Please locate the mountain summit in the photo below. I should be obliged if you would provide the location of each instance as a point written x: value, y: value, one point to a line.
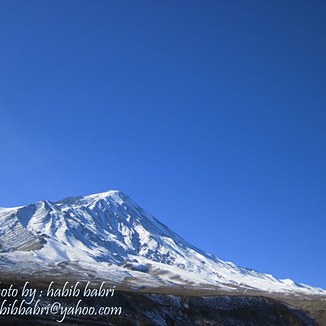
x: 107, y: 235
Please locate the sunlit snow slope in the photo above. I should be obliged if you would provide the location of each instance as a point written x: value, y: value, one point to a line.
x: 110, y: 235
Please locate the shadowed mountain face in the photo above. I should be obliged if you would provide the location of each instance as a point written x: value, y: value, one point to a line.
x: 108, y: 235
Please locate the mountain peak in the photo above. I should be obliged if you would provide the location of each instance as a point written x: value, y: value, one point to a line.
x: 105, y: 194
x: 114, y: 195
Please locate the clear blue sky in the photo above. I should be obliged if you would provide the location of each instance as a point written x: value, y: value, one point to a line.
x: 209, y: 114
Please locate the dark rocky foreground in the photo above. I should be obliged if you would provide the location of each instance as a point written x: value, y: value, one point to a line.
x: 162, y: 309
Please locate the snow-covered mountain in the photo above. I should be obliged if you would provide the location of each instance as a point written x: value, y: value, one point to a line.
x: 107, y: 235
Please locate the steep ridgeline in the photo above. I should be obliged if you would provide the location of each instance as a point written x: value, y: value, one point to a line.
x: 108, y: 235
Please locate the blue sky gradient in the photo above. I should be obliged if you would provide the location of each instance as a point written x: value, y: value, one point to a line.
x: 209, y: 114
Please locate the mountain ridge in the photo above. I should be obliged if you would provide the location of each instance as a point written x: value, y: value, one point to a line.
x: 112, y: 236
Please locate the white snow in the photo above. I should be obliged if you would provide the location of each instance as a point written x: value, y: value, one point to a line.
x: 108, y: 234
